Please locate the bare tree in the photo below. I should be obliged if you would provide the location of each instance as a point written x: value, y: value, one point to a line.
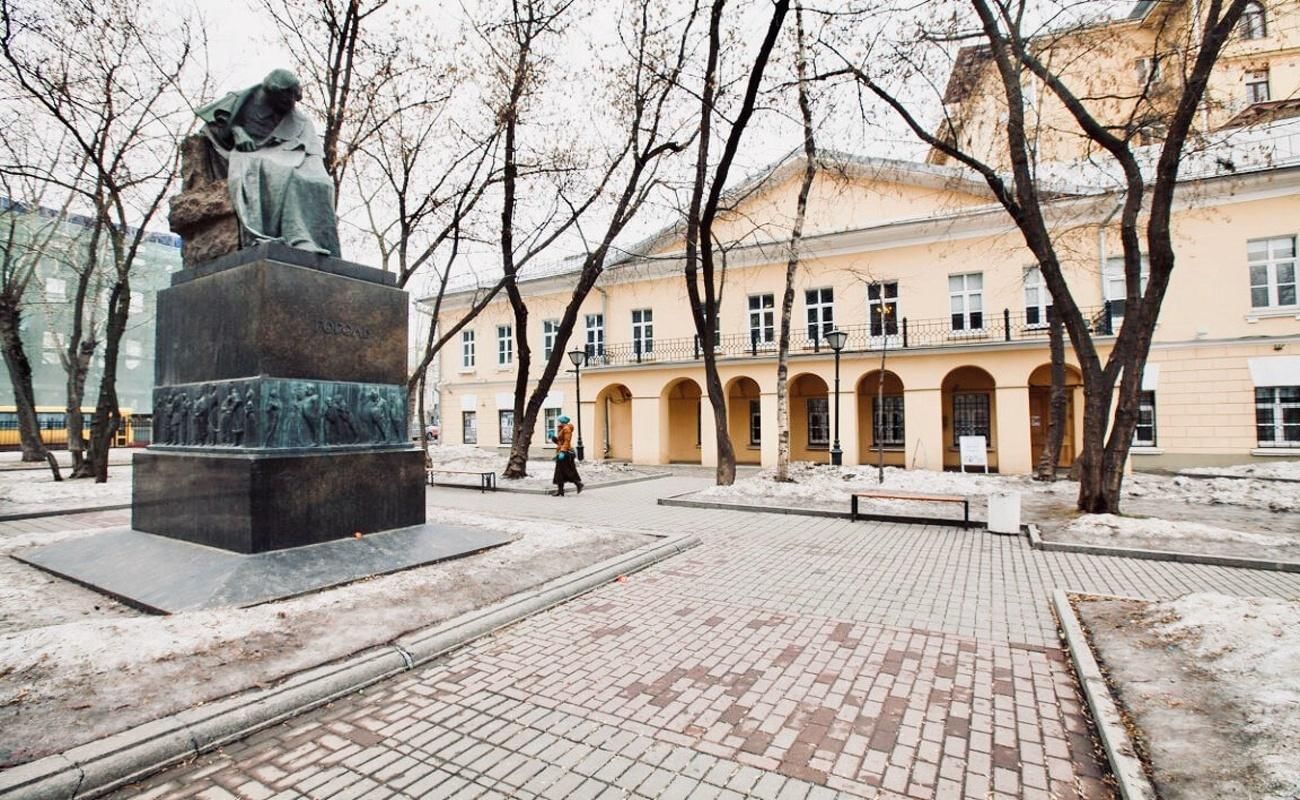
x: 1146, y: 198
x: 703, y: 276
x: 647, y: 90
x: 101, y: 73
x: 792, y: 263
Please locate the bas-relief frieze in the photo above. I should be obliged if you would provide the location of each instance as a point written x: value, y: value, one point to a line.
x: 275, y: 414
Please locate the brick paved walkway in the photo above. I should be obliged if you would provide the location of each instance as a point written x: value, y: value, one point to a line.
x: 786, y: 657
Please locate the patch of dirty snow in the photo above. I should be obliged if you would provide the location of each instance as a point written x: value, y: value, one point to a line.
x: 1272, y: 470
x: 33, y: 491
x: 1250, y: 646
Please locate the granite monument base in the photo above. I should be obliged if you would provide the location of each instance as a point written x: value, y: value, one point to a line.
x: 167, y: 576
x: 255, y: 503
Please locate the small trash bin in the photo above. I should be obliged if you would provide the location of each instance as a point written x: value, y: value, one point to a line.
x: 1004, y: 512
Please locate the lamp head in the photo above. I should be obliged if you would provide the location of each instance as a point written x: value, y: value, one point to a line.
x: 837, y: 339
x: 576, y: 356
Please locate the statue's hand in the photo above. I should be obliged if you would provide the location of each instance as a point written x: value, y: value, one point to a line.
x: 243, y: 142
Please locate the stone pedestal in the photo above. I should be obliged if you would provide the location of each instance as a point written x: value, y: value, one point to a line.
x: 279, y: 405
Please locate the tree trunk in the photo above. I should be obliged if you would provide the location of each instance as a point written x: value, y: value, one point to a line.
x: 1058, y: 403
x: 20, y: 375
x: 108, y: 416
x: 726, y: 472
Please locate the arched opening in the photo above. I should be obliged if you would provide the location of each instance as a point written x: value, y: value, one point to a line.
x: 613, y: 423
x: 810, y: 419
x: 969, y: 409
x: 681, y: 407
x: 745, y: 419
x: 880, y: 419
x: 1040, y: 410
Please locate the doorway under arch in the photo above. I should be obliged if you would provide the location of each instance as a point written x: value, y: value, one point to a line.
x: 681, y: 431
x: 1040, y: 404
x: 810, y: 419
x: 745, y: 419
x: 614, y: 423
x: 969, y: 409
x: 891, y: 426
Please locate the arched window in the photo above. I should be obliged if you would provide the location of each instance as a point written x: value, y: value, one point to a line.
x: 1254, y: 25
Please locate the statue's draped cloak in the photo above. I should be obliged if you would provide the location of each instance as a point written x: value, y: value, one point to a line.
x: 280, y: 191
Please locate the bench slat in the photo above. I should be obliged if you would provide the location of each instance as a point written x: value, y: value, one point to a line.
x: 939, y: 498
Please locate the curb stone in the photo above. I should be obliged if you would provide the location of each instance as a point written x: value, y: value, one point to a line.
x: 98, y: 767
x: 63, y: 512
x: 1037, y: 542
x: 1124, y: 763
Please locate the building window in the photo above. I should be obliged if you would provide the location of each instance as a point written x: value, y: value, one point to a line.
x: 595, y: 335
x: 550, y: 328
x: 755, y: 423
x: 56, y: 290
x: 1038, y: 301
x: 890, y: 427
x: 1114, y: 285
x: 550, y: 422
x: 970, y: 416
x: 505, y: 346
x: 762, y: 318
x: 137, y: 302
x: 1147, y: 69
x: 506, y: 426
x: 966, y: 298
x: 134, y: 352
x: 50, y: 348
x: 1277, y: 416
x: 469, y: 427
x: 1144, y: 435
x: 1257, y: 86
x: 643, y: 330
x: 1272, y: 271
x: 467, y: 349
x: 821, y: 312
x: 819, y: 422
x: 1254, y: 25
x: 882, y: 308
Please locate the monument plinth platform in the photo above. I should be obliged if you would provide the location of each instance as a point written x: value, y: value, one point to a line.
x: 279, y: 405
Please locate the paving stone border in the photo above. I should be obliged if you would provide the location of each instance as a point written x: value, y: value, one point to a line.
x: 1130, y: 775
x: 62, y: 512
x: 1037, y: 542
x: 96, y: 768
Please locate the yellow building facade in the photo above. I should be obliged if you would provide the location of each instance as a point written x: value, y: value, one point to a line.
x: 945, y: 315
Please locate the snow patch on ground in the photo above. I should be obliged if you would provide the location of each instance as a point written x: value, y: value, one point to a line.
x: 1107, y: 528
x: 31, y: 491
x: 1274, y: 470
x: 1251, y: 648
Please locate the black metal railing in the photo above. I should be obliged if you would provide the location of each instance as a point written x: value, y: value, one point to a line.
x: 903, y: 334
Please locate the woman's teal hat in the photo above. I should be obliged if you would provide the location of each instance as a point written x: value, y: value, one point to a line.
x: 564, y: 420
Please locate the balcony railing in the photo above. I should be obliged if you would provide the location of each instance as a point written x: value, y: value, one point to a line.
x: 904, y: 334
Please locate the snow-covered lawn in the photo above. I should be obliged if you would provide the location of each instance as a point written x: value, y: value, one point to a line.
x: 76, y: 666
x: 476, y: 459
x: 30, y: 491
x: 1247, y: 518
x: 1212, y: 684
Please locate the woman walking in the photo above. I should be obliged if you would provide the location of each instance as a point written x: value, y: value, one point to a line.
x: 566, y: 468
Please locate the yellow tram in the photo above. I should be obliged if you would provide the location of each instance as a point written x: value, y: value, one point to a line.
x: 53, y: 421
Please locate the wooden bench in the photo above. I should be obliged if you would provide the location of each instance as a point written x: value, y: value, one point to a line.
x: 486, y: 480
x: 877, y: 494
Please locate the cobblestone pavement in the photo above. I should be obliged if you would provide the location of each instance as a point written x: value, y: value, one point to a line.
x: 786, y: 657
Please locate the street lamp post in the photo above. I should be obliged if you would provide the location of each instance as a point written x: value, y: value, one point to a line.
x: 576, y: 356
x: 836, y: 340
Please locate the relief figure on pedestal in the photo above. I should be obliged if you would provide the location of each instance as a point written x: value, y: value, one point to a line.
x: 375, y: 417
x: 276, y: 169
x: 232, y: 418
x: 272, y: 417
x: 214, y: 416
x: 308, y: 405
x: 250, y: 416
x: 180, y: 423
x: 162, y: 427
x: 339, y: 427
x: 200, y: 410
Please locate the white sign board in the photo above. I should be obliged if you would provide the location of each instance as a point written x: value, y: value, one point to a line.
x: 974, y: 452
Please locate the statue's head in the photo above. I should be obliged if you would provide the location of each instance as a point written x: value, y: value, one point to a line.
x: 282, y: 89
